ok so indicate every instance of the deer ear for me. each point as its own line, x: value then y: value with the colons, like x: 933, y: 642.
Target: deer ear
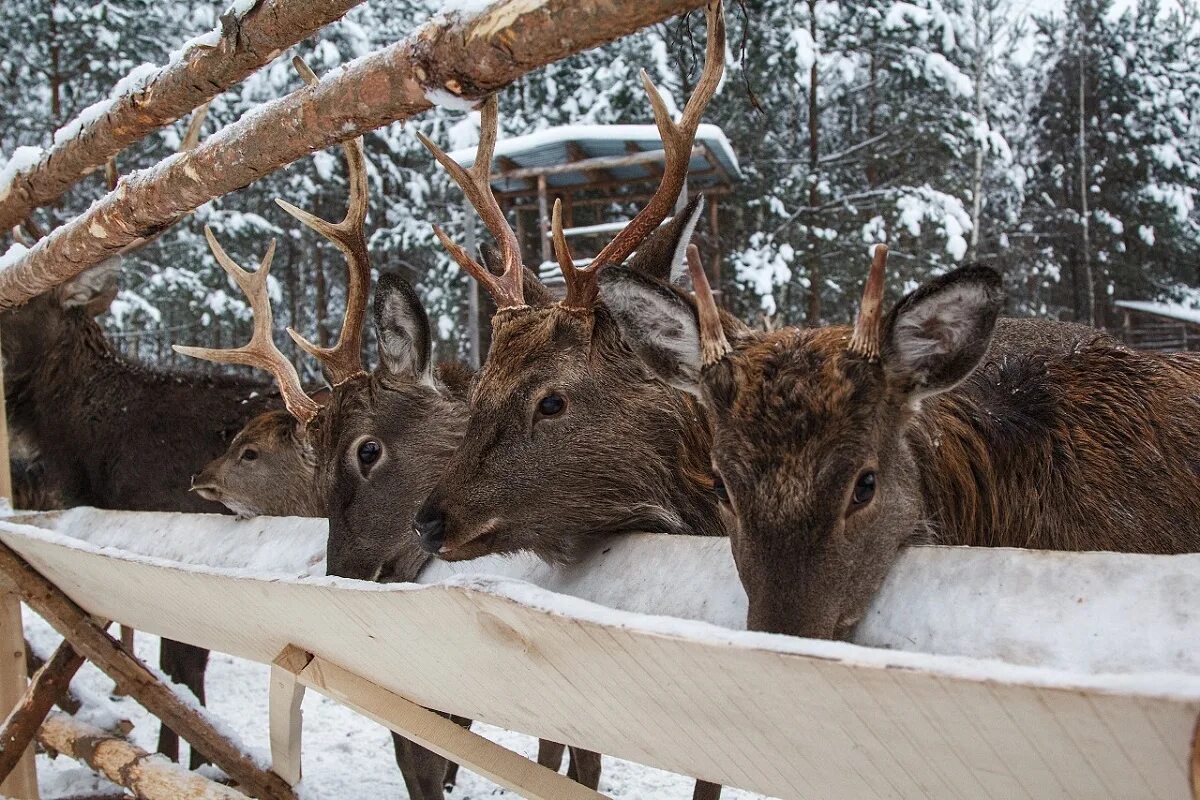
x: 658, y: 323
x: 402, y: 327
x: 935, y: 337
x: 661, y: 256
x: 94, y: 290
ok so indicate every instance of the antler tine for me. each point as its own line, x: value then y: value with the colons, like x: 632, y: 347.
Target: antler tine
x: 865, y: 339
x: 713, y: 344
x: 677, y: 138
x: 562, y: 250
x: 476, y: 184
x: 343, y: 360
x: 260, y: 351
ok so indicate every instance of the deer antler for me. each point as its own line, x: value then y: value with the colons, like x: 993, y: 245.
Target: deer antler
x: 343, y: 360
x: 865, y: 340
x: 260, y: 351
x: 713, y: 344
x: 677, y: 138
x: 476, y: 184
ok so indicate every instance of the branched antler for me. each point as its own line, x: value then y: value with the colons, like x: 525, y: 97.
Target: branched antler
x: 677, y: 138
x: 343, y: 360
x: 260, y: 352
x: 476, y: 184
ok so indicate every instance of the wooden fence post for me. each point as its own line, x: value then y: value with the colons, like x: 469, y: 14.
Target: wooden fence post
x: 22, y: 782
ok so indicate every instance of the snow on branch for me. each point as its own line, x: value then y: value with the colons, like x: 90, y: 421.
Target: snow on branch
x: 250, y: 35
x: 469, y: 57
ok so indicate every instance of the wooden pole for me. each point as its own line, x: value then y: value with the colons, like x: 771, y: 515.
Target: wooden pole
x: 77, y: 627
x: 475, y: 357
x: 544, y: 219
x: 460, y: 57
x: 149, y: 777
x: 21, y: 783
x: 48, y: 684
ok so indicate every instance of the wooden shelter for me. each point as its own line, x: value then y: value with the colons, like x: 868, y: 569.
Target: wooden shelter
x: 1150, y: 325
x: 601, y: 173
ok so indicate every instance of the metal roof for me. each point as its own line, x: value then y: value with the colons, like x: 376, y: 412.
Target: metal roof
x: 567, y: 143
x: 1168, y: 310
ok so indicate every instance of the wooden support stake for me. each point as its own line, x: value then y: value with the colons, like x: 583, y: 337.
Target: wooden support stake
x: 149, y: 777
x: 286, y: 719
x: 433, y: 731
x: 48, y: 684
x: 106, y: 653
x: 22, y: 782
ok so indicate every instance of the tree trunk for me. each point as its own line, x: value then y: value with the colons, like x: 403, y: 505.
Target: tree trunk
x: 459, y: 56
x: 980, y: 116
x: 49, y: 683
x: 813, y: 315
x: 1084, y: 227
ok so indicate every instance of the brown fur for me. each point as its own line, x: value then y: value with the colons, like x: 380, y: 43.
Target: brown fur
x: 114, y: 434
x: 1059, y: 439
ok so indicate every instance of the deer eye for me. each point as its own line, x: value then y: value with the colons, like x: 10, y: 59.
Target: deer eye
x: 249, y: 454
x: 369, y: 452
x: 719, y: 489
x: 551, y: 405
x: 864, y: 490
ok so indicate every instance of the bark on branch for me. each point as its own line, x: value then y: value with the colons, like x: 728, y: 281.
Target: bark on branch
x: 89, y: 639
x: 451, y: 57
x: 149, y: 777
x: 246, y: 44
x: 49, y: 683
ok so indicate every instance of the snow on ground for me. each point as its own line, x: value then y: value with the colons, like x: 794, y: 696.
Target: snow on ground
x: 345, y: 756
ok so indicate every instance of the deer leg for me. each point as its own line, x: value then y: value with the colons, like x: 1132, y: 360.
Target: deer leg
x: 585, y: 768
x: 550, y: 754
x: 423, y: 770
x: 706, y: 791
x: 184, y: 664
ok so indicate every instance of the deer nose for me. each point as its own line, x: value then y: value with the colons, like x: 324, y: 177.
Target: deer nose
x: 430, y: 526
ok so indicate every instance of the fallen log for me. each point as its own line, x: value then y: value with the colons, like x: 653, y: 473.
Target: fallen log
x: 205, y: 70
x: 49, y: 683
x: 90, y: 639
x: 150, y: 777
x: 451, y: 60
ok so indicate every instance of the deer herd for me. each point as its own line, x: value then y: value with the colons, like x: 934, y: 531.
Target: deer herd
x: 629, y: 404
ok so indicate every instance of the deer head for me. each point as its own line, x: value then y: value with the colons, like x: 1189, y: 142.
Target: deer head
x: 569, y: 434
x: 809, y: 440
x: 366, y: 453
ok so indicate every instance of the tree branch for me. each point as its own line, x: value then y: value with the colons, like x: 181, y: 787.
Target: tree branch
x: 203, y: 73
x: 456, y: 58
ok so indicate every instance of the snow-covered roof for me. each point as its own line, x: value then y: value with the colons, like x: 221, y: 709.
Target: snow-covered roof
x: 1169, y: 310
x: 554, y: 146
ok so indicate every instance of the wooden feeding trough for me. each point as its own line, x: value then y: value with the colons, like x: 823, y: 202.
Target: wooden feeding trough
x: 598, y: 172
x: 984, y: 672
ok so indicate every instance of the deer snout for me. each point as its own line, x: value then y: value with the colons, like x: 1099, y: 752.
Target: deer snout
x: 430, y: 526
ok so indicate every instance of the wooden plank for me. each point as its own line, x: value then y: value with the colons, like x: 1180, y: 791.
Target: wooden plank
x: 286, y: 719
x: 106, y: 653
x: 433, y: 731
x: 47, y: 686
x: 589, y: 165
x: 787, y: 717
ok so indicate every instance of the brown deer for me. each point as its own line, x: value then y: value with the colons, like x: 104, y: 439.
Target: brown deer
x: 369, y: 453
x: 836, y: 446
x: 558, y: 372
x: 114, y: 434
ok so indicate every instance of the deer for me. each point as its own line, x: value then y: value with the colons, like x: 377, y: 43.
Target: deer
x: 112, y: 433
x: 364, y: 453
x: 836, y: 446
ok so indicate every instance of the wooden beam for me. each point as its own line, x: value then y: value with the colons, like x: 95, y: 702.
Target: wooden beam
x: 433, y: 731
x: 600, y: 162
x: 577, y: 156
x: 286, y: 720
x: 622, y: 182
x: 467, y: 56
x: 21, y: 783
x: 544, y: 219
x: 77, y: 627
x: 49, y: 683
x: 149, y: 777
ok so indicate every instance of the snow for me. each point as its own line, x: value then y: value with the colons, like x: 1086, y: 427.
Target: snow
x: 444, y: 99
x: 1172, y: 310
x: 764, y: 266
x: 135, y: 81
x: 466, y: 8
x: 23, y: 159
x: 12, y: 255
